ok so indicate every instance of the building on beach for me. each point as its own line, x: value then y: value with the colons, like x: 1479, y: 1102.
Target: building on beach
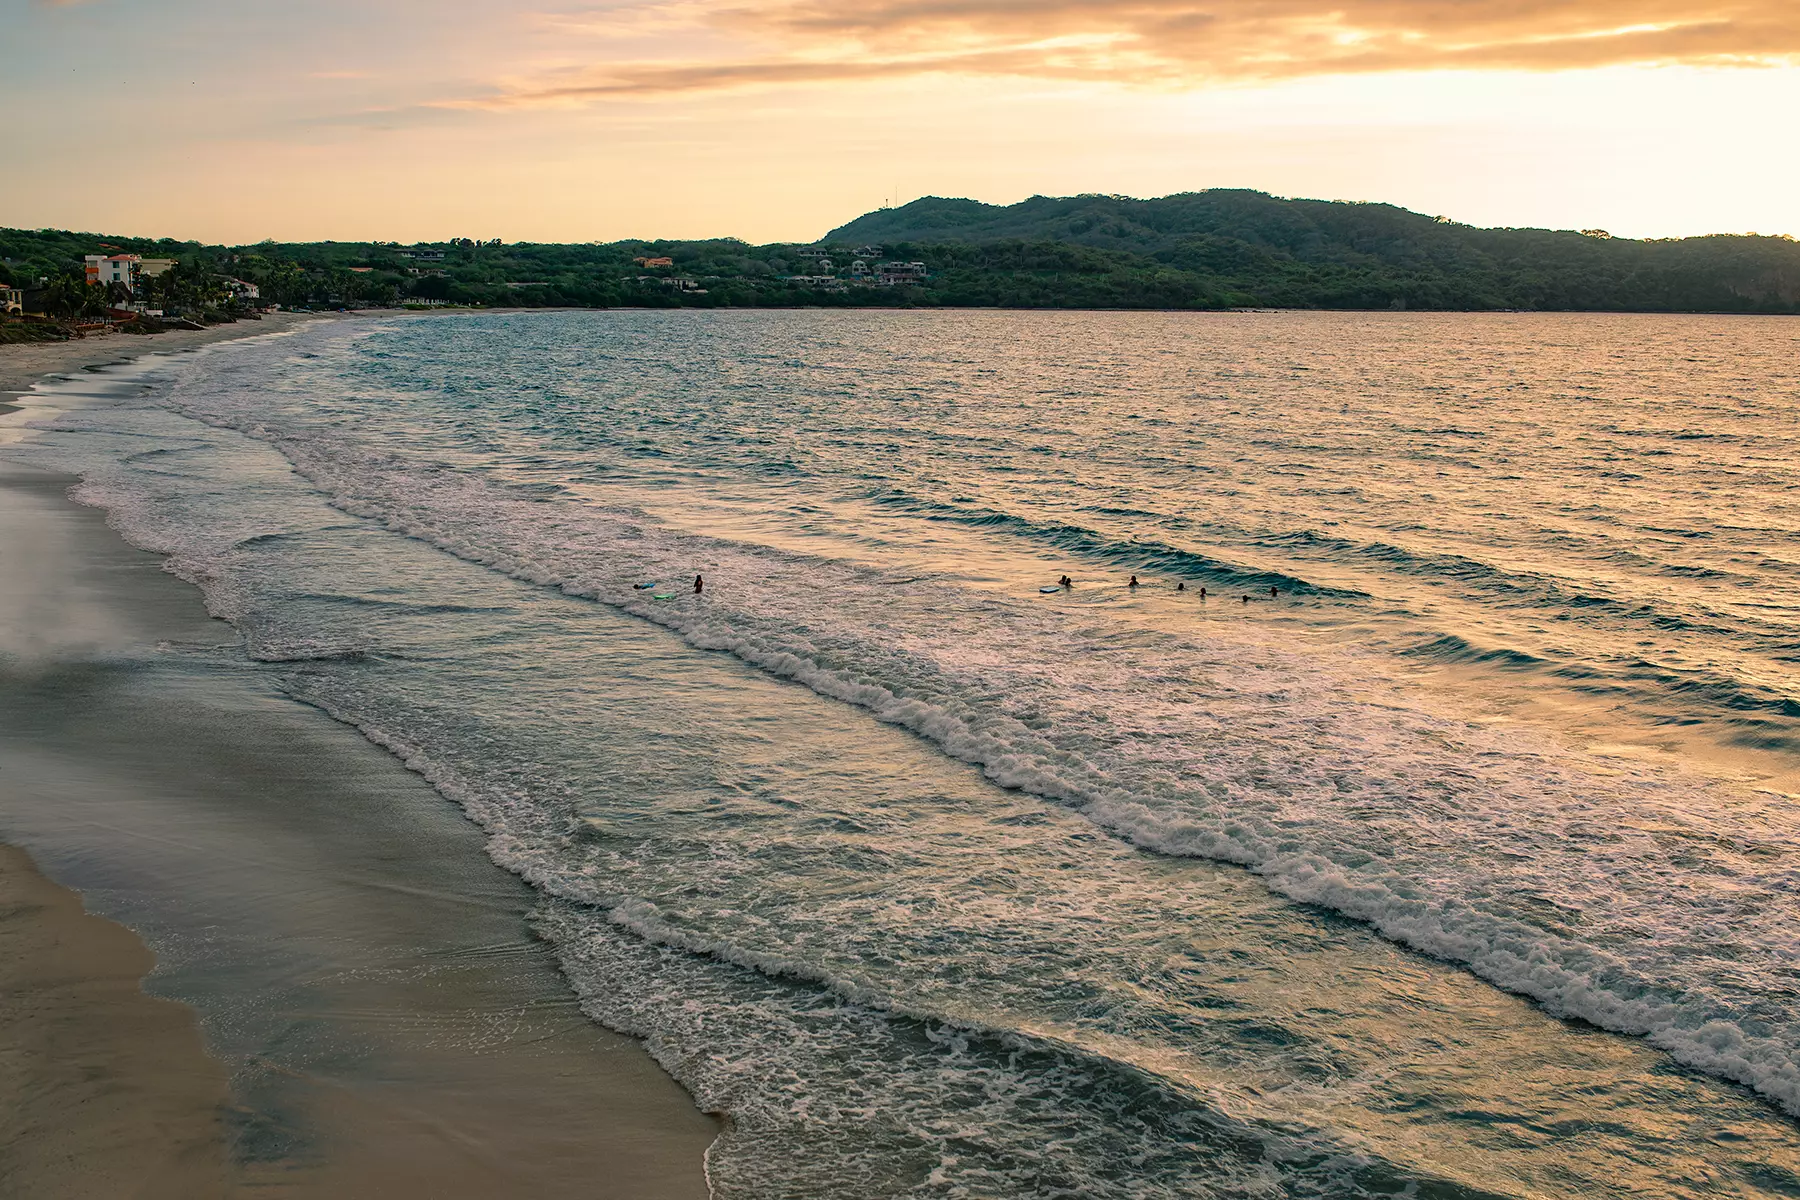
x: 106, y: 269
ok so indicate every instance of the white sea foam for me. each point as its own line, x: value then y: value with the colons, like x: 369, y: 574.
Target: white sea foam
x: 1636, y: 900
x: 1640, y: 901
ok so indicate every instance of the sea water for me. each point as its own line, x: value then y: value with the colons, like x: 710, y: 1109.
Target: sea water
x: 1444, y: 847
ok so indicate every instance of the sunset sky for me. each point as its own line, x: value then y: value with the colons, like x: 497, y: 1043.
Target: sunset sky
x: 778, y: 119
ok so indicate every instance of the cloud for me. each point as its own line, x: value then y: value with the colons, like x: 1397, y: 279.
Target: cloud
x: 1156, y: 43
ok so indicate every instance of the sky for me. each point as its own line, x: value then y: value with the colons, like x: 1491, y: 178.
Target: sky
x: 776, y: 120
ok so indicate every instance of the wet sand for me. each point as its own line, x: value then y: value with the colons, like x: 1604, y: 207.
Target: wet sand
x: 97, y: 1073
x: 376, y: 1016
x: 21, y: 366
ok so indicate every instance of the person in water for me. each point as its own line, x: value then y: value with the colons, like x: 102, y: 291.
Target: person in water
x: 1272, y: 592
x: 1203, y: 593
x: 1133, y: 582
x: 1065, y: 581
x: 1245, y: 599
x: 1181, y: 585
x: 699, y: 585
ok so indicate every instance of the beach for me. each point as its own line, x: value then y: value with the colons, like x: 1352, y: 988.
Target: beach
x: 924, y: 881
x: 297, y: 972
x: 26, y: 364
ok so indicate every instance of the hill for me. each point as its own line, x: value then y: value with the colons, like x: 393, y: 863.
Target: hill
x: 1258, y: 249
x: 1217, y: 249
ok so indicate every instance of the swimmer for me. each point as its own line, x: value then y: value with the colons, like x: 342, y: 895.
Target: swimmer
x: 1245, y: 599
x: 1181, y: 585
x: 1133, y: 582
x: 699, y: 584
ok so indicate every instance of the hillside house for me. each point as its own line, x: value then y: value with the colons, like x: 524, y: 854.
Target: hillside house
x: 900, y: 274
x: 12, y: 299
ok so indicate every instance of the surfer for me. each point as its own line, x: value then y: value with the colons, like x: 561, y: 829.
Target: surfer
x: 699, y: 584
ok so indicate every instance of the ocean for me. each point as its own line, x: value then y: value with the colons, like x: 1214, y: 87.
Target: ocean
x: 1444, y: 847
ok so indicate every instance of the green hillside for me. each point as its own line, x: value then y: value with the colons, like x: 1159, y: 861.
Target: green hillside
x: 1217, y: 249
x: 1251, y: 248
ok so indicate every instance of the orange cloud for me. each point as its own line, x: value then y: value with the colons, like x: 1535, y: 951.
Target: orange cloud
x: 1163, y: 43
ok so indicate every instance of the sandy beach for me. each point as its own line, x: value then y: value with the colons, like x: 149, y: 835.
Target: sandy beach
x: 22, y: 366
x: 108, y: 1091
x: 297, y: 972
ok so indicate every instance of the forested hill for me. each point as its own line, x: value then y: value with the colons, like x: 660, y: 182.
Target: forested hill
x: 1250, y: 248
x: 1218, y: 249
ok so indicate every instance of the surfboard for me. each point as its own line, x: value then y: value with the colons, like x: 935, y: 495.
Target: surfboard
x: 662, y: 595
x: 1050, y: 588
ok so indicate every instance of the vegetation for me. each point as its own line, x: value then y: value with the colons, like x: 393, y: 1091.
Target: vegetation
x: 1250, y: 249
x: 1200, y: 250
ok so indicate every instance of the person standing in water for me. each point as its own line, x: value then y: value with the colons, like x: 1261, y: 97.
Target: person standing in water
x: 699, y: 585
x: 1065, y: 582
x: 1133, y: 582
x: 1272, y: 592
x: 1181, y: 585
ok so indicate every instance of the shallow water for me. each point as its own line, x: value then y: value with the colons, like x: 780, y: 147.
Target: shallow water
x: 935, y: 884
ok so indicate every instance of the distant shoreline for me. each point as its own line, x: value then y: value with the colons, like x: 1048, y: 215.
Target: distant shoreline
x: 23, y: 365
x: 113, y: 1091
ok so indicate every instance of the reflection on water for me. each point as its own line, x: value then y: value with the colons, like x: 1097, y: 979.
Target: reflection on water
x: 767, y: 821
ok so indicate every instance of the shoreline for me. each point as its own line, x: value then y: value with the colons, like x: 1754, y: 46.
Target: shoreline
x: 365, y: 1012
x: 25, y: 365
x: 99, y: 1071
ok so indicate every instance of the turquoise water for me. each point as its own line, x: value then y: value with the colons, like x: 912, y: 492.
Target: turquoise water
x: 1463, y: 865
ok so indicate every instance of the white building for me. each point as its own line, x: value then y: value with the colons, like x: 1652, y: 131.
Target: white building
x: 118, y: 268
x: 242, y: 289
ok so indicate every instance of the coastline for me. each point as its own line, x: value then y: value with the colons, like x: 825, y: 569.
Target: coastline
x: 297, y: 973
x: 98, y: 1072
x: 23, y: 366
